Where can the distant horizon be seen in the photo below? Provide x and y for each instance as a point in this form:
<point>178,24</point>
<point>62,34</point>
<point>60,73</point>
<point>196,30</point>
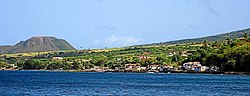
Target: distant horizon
<point>118,23</point>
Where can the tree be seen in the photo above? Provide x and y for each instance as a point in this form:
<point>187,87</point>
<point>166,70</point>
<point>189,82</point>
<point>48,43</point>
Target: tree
<point>33,64</point>
<point>159,60</point>
<point>55,65</point>
<point>3,64</point>
<point>76,65</point>
<point>245,35</point>
<point>67,65</point>
<point>217,44</point>
<point>20,64</point>
<point>229,41</point>
<point>205,43</point>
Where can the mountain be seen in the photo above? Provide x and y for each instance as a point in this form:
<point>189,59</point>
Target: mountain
<point>38,44</point>
<point>220,37</point>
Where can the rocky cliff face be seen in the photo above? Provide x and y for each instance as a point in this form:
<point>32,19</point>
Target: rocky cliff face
<point>38,44</point>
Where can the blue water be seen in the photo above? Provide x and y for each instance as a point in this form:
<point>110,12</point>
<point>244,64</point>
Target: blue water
<point>80,83</point>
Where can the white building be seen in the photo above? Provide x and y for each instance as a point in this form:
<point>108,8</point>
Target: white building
<point>57,58</point>
<point>201,69</point>
<point>191,65</point>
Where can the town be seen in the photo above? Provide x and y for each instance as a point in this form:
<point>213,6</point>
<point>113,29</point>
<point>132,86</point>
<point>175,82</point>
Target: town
<point>188,67</point>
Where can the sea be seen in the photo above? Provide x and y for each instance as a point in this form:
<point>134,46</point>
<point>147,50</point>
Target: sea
<point>54,83</point>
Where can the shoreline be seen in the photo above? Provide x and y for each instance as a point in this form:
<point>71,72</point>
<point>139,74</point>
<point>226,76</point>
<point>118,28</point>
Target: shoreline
<point>168,72</point>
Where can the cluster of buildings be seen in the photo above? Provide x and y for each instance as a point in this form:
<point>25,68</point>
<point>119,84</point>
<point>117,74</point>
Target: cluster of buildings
<point>135,67</point>
<point>186,67</point>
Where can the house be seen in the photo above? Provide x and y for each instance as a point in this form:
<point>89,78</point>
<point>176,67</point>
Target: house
<point>57,58</point>
<point>166,68</point>
<point>144,56</point>
<point>170,54</point>
<point>184,55</point>
<point>241,38</point>
<point>97,69</point>
<point>119,69</point>
<point>105,68</point>
<point>26,57</point>
<point>201,69</point>
<point>153,67</point>
<point>204,69</point>
<point>85,60</point>
<point>143,68</point>
<point>44,56</point>
<point>244,39</point>
<point>132,67</point>
<point>191,65</point>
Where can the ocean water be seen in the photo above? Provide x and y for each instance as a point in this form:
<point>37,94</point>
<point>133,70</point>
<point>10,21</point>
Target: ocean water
<point>18,83</point>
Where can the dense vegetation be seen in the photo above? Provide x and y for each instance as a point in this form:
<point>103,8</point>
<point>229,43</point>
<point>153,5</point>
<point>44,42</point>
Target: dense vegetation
<point>228,55</point>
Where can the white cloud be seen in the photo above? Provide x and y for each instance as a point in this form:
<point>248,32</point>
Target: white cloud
<point>117,41</point>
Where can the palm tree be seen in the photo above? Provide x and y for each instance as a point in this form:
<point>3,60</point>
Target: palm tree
<point>205,43</point>
<point>228,40</point>
<point>217,44</point>
<point>245,35</point>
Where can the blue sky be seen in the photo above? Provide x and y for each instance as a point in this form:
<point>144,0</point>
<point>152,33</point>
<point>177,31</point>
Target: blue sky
<point>117,23</point>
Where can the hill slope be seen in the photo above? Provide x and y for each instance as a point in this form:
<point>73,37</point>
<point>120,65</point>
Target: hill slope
<point>219,37</point>
<point>38,44</point>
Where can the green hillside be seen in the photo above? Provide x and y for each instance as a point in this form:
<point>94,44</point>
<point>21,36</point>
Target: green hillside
<point>220,37</point>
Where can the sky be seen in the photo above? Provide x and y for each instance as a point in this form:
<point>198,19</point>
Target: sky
<point>117,23</point>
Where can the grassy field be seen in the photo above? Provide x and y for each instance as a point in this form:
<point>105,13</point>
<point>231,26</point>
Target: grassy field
<point>91,50</point>
<point>28,54</point>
